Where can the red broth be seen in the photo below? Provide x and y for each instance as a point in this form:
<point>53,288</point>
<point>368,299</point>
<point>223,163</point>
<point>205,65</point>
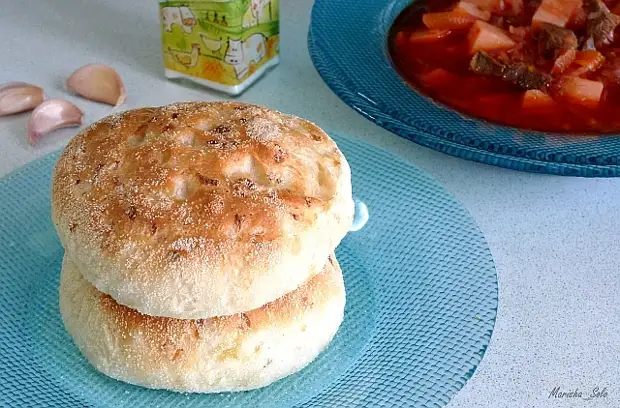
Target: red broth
<point>438,62</point>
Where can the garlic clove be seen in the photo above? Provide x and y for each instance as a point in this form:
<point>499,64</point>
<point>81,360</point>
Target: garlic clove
<point>98,82</point>
<point>16,97</point>
<point>51,115</point>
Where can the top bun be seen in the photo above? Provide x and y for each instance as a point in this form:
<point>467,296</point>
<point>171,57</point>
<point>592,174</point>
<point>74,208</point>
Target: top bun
<point>195,210</point>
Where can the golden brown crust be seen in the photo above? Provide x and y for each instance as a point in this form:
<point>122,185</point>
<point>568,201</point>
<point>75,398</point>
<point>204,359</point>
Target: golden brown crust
<point>243,351</point>
<point>183,210</point>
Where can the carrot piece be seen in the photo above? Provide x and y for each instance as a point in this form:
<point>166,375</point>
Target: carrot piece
<point>589,61</point>
<point>563,62</point>
<point>537,100</point>
<point>589,58</point>
<point>428,36</point>
<point>486,37</point>
<point>581,91</point>
<point>448,20</point>
<point>473,10</point>
<point>462,16</point>
<point>556,12</point>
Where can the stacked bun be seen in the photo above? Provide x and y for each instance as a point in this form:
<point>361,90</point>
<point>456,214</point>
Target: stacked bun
<point>199,243</point>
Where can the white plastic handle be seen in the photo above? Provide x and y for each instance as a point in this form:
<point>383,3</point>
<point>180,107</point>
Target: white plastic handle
<point>361,216</point>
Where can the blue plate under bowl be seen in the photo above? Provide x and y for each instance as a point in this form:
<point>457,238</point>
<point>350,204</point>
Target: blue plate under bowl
<point>348,46</point>
<point>421,304</point>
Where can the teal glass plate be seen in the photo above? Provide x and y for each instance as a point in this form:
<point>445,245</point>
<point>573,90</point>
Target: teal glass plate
<point>421,303</point>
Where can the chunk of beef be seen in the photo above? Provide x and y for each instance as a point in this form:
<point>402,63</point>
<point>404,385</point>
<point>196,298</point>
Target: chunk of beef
<point>554,41</point>
<point>526,77</point>
<point>484,64</point>
<point>522,75</point>
<point>601,23</point>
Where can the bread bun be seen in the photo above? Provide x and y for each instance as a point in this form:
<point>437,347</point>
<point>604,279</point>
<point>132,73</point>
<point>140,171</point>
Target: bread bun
<point>196,210</point>
<point>233,353</point>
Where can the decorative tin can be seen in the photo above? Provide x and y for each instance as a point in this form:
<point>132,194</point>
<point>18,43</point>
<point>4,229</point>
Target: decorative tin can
<point>222,44</point>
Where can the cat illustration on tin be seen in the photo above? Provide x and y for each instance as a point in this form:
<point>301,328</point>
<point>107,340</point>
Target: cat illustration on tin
<point>240,53</point>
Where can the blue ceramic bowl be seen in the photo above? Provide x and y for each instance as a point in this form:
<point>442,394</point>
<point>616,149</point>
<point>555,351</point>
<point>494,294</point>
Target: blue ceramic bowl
<point>348,45</point>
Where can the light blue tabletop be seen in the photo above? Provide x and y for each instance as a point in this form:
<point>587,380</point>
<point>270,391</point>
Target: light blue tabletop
<point>555,240</point>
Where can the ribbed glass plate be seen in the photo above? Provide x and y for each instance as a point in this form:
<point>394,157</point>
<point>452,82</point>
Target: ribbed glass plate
<point>421,303</point>
<point>348,46</point>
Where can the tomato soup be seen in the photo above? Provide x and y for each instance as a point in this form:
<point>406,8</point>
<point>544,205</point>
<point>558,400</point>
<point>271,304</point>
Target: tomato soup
<point>548,65</point>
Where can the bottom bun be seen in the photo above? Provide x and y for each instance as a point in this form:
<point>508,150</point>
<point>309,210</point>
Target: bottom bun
<point>232,353</point>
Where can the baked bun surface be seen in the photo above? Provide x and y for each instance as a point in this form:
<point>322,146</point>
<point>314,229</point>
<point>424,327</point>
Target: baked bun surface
<point>195,210</point>
<point>233,353</point>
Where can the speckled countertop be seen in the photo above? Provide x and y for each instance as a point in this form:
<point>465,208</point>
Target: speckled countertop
<point>555,240</point>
